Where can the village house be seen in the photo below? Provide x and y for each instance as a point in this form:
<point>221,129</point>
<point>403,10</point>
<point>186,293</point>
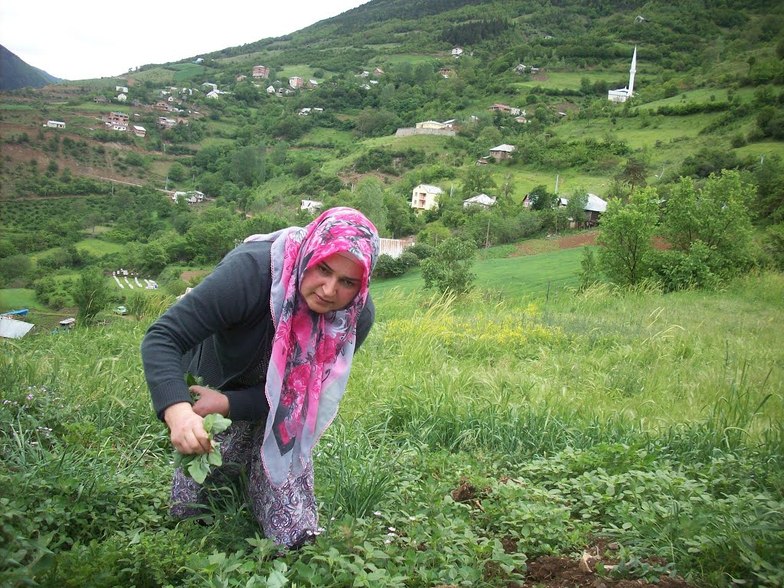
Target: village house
<point>425,197</point>
<point>122,89</point>
<point>502,152</point>
<point>122,97</point>
<point>296,82</point>
<point>311,206</point>
<point>446,72</point>
<point>166,123</point>
<point>594,208</point>
<point>261,71</point>
<point>431,124</point>
<point>505,108</point>
<point>378,72</point>
<point>479,201</point>
<point>139,131</point>
<point>117,118</point>
<point>392,247</point>
<point>457,52</point>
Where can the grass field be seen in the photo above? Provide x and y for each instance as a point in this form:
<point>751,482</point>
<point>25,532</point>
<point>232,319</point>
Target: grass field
<point>18,298</point>
<point>97,247</point>
<point>479,438</point>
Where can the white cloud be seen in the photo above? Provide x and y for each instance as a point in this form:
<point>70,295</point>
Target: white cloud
<point>90,39</point>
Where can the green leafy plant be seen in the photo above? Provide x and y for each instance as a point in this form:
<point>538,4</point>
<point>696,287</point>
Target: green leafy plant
<point>197,466</point>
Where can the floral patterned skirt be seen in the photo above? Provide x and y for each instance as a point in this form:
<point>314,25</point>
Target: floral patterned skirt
<point>288,515</point>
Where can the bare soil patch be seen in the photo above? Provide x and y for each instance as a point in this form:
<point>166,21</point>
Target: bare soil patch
<point>560,571</point>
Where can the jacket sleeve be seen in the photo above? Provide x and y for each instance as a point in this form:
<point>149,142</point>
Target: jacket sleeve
<point>229,296</point>
<point>366,319</point>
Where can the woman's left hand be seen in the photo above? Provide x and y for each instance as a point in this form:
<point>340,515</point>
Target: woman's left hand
<point>210,401</point>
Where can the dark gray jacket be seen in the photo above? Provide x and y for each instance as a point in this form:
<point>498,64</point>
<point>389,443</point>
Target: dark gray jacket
<point>221,330</point>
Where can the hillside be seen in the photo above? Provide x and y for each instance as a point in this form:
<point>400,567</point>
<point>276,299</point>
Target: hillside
<point>15,73</point>
<point>325,117</point>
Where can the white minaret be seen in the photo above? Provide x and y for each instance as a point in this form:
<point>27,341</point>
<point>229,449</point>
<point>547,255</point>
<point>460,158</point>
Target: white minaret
<point>632,71</point>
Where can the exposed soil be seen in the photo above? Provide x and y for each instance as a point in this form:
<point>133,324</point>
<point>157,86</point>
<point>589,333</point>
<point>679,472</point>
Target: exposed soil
<point>549,571</point>
<point>553,243</point>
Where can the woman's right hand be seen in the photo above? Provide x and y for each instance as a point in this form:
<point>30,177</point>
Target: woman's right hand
<point>187,429</point>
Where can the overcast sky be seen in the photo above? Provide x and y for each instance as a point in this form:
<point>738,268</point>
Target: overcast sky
<point>81,39</point>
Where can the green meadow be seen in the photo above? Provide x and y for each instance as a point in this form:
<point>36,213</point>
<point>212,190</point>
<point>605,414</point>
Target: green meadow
<point>477,435</point>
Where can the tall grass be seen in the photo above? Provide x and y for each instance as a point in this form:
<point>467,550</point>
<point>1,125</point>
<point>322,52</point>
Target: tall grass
<point>652,419</point>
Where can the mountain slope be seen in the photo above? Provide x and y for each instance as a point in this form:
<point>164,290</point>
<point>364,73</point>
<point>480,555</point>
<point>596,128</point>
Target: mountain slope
<point>15,73</point>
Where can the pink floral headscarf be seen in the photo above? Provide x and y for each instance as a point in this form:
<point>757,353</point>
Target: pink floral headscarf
<point>311,353</point>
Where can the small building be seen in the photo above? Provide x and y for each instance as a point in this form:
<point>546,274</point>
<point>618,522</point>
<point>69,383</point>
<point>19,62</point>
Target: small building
<point>480,201</point>
<point>296,82</point>
<point>502,152</point>
<point>594,208</point>
<point>311,206</point>
<point>431,124</point>
<point>55,124</point>
<point>117,118</point>
<point>139,131</point>
<point>457,52</point>
<point>261,71</point>
<point>425,197</point>
<point>121,89</point>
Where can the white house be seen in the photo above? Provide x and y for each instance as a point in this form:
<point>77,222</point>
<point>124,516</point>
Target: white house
<point>392,247</point>
<point>457,52</point>
<point>431,124</point>
<point>425,197</point>
<point>55,124</point>
<point>623,94</point>
<point>311,206</point>
<point>480,200</point>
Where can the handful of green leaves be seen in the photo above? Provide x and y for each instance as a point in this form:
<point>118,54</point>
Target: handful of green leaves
<point>197,466</point>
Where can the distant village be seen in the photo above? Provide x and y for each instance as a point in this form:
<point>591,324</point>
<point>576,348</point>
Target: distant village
<point>172,104</point>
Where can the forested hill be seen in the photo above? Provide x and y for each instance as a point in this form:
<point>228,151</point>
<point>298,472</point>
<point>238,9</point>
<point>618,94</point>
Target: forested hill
<point>15,73</point>
<point>330,113</point>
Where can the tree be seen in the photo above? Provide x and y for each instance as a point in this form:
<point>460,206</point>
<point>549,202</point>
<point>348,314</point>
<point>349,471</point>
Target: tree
<point>477,180</point>
<point>91,294</point>
<point>541,199</point>
<point>575,207</point>
<point>625,237</point>
<point>716,215</point>
<point>449,269</point>
<point>369,196</point>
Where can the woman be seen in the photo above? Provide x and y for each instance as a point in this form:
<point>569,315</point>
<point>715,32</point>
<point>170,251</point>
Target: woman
<point>272,332</point>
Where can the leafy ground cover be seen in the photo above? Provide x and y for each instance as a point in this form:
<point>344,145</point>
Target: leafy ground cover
<point>602,437</point>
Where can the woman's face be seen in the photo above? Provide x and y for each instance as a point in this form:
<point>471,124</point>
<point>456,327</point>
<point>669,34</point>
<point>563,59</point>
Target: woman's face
<point>332,283</point>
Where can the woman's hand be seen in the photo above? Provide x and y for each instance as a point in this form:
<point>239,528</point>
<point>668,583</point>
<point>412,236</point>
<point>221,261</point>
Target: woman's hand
<point>187,429</point>
<point>209,401</point>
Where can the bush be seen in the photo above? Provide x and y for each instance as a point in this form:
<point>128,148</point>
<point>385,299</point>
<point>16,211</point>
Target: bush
<point>391,267</point>
<point>421,250</point>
